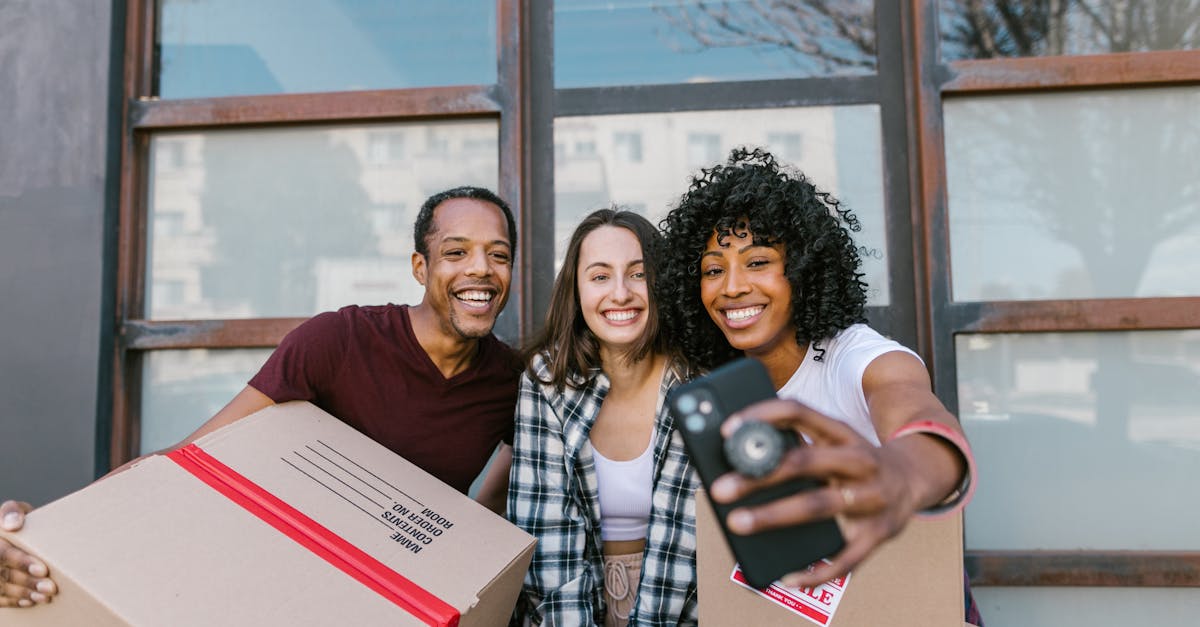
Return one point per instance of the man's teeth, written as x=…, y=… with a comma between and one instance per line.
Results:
x=475, y=296
x=742, y=314
x=620, y=316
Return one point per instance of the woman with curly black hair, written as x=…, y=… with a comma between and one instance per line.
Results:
x=758, y=262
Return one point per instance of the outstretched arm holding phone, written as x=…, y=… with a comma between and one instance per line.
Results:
x=762, y=264
x=872, y=490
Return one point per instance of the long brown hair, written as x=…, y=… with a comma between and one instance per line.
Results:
x=571, y=350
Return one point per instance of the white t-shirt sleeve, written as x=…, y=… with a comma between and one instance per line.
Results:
x=858, y=346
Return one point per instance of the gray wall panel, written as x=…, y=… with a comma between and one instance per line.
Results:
x=54, y=65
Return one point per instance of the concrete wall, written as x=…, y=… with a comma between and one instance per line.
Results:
x=54, y=147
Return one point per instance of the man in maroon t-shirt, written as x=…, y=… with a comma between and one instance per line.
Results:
x=428, y=381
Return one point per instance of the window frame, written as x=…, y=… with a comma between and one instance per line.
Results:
x=885, y=88
x=508, y=101
x=910, y=84
x=525, y=103
x=932, y=82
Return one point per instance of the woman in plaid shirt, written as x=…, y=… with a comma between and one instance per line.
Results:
x=598, y=475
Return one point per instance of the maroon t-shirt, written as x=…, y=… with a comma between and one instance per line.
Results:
x=365, y=366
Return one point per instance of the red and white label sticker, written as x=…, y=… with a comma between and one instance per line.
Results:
x=818, y=604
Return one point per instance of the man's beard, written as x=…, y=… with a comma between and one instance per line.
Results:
x=468, y=333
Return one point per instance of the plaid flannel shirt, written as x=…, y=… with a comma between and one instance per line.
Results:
x=553, y=495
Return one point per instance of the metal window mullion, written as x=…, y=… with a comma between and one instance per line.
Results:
x=393, y=104
x=799, y=92
x=131, y=237
x=1073, y=72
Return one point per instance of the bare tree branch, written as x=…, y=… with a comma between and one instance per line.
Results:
x=1098, y=22
x=833, y=35
x=840, y=34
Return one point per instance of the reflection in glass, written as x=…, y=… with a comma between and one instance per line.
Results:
x=974, y=29
x=1085, y=441
x=1074, y=195
x=837, y=147
x=231, y=47
x=1087, y=607
x=295, y=221
x=684, y=41
x=181, y=389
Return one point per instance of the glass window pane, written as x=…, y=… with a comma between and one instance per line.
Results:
x=295, y=221
x=181, y=389
x=975, y=29
x=1087, y=607
x=837, y=147
x=632, y=43
x=1085, y=441
x=1074, y=195
x=232, y=47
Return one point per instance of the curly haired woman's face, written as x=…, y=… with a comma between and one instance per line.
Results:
x=747, y=295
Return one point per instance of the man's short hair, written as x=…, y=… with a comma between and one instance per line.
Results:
x=421, y=230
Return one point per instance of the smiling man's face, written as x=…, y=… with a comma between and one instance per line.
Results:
x=467, y=272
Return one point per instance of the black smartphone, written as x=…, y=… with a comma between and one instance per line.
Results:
x=698, y=409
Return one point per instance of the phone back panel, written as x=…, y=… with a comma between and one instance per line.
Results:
x=767, y=556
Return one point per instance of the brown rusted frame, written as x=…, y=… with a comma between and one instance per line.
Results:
x=513, y=91
x=178, y=334
x=525, y=93
x=537, y=208
x=1115, y=314
x=1075, y=72
x=143, y=114
x=926, y=167
x=929, y=81
x=1127, y=569
x=131, y=257
x=442, y=102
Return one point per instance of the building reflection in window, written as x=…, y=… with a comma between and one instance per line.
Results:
x=1095, y=432
x=838, y=147
x=291, y=222
x=1074, y=194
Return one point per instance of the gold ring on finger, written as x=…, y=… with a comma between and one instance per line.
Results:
x=847, y=496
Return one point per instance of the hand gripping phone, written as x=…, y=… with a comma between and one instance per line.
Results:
x=698, y=409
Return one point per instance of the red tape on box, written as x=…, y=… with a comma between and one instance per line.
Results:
x=316, y=538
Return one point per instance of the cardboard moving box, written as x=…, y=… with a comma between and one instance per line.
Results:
x=286, y=517
x=914, y=580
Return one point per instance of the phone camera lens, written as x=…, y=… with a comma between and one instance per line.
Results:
x=686, y=404
x=694, y=423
